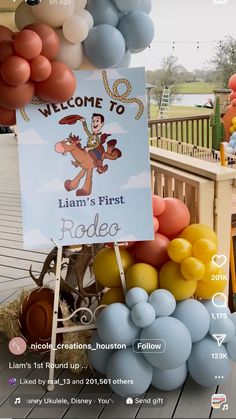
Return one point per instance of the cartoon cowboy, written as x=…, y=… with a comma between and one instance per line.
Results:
x=95, y=140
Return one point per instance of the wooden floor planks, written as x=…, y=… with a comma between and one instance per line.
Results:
x=190, y=401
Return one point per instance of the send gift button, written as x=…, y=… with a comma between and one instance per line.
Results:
x=149, y=345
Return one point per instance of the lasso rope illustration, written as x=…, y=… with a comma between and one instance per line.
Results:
x=123, y=98
x=35, y=101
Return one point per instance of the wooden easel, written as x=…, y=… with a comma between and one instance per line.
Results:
x=91, y=324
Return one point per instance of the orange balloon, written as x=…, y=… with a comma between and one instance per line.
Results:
x=232, y=82
x=153, y=252
x=233, y=103
x=17, y=96
x=60, y=86
x=40, y=68
x=50, y=40
x=7, y=117
x=158, y=205
x=5, y=33
x=155, y=224
x=227, y=120
x=232, y=95
x=6, y=49
x=15, y=70
x=175, y=217
x=28, y=44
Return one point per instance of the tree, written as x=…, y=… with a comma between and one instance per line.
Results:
x=167, y=75
x=224, y=60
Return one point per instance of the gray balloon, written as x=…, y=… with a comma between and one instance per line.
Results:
x=168, y=380
x=195, y=317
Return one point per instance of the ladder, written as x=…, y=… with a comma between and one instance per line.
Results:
x=165, y=103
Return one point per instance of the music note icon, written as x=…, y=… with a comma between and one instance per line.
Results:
x=225, y=407
x=17, y=400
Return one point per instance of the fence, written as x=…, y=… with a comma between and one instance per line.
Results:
x=195, y=130
x=199, y=152
x=206, y=188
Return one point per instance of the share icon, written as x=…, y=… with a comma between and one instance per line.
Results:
x=220, y=338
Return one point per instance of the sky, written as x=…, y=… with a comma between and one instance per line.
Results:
x=187, y=22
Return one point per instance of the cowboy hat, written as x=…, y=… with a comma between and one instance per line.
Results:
x=36, y=316
x=70, y=119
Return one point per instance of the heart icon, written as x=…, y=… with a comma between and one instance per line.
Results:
x=219, y=260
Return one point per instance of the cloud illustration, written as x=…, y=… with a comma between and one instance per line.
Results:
x=34, y=237
x=54, y=185
x=114, y=128
x=141, y=180
x=30, y=136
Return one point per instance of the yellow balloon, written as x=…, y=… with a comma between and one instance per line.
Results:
x=192, y=269
x=206, y=289
x=234, y=125
x=106, y=269
x=231, y=130
x=210, y=271
x=142, y=275
x=195, y=232
x=234, y=120
x=179, y=249
x=204, y=249
x=171, y=279
x=114, y=295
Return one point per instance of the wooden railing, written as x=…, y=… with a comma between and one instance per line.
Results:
x=205, y=187
x=194, y=130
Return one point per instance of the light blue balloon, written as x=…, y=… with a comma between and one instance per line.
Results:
x=178, y=343
x=231, y=348
x=135, y=295
x=195, y=317
x=105, y=46
x=114, y=325
x=103, y=11
x=168, y=380
x=145, y=6
x=233, y=136
x=213, y=309
x=99, y=358
x=127, y=5
x=206, y=369
x=163, y=302
x=232, y=317
x=224, y=326
x=132, y=367
x=125, y=62
x=138, y=30
x=143, y=314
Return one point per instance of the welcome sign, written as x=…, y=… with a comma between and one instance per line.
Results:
x=84, y=164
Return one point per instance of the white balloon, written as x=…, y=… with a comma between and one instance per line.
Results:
x=79, y=5
x=86, y=65
x=75, y=29
x=24, y=16
x=88, y=17
x=70, y=54
x=53, y=13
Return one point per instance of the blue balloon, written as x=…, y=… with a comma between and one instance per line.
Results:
x=163, y=302
x=105, y=46
x=135, y=295
x=99, y=357
x=145, y=6
x=168, y=380
x=231, y=348
x=132, y=367
x=232, y=317
x=214, y=310
x=224, y=326
x=125, y=62
x=176, y=347
x=114, y=324
x=195, y=317
x=127, y=5
x=138, y=30
x=233, y=136
x=205, y=365
x=103, y=11
x=143, y=314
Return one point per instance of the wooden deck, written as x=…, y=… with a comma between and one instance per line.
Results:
x=190, y=401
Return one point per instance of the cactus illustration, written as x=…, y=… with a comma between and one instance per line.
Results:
x=218, y=131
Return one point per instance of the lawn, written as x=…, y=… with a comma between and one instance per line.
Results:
x=196, y=87
x=176, y=111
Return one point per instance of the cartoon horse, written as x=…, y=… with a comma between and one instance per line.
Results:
x=83, y=159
